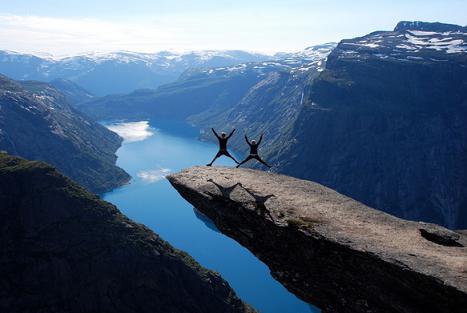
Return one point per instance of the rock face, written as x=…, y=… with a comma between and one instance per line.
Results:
x=64, y=250
x=386, y=123
x=331, y=250
x=73, y=93
x=37, y=123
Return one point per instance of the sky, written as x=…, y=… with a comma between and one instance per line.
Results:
x=68, y=27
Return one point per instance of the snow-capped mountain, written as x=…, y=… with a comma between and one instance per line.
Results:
x=410, y=41
x=118, y=72
x=217, y=88
x=311, y=58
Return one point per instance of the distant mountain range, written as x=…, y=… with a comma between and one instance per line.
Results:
x=214, y=90
x=118, y=72
x=36, y=122
x=381, y=119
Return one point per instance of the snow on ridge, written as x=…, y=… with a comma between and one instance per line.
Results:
x=404, y=43
x=302, y=61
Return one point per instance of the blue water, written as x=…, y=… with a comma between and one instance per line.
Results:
x=151, y=200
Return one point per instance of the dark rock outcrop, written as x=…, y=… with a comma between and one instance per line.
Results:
x=37, y=123
x=331, y=250
x=64, y=250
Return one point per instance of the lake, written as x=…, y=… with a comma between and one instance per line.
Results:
x=154, y=149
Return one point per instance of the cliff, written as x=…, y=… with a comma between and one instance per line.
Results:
x=331, y=250
x=37, y=123
x=385, y=123
x=64, y=250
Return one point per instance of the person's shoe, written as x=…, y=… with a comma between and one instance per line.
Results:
x=237, y=166
x=208, y=164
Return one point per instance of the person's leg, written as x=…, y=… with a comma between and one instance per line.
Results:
x=217, y=155
x=248, y=158
x=261, y=160
x=227, y=154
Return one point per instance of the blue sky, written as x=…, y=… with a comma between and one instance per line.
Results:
x=72, y=26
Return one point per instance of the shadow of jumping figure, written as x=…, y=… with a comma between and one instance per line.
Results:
x=260, y=203
x=226, y=191
x=259, y=200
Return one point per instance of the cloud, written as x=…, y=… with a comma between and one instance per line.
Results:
x=152, y=176
x=64, y=36
x=132, y=131
x=181, y=31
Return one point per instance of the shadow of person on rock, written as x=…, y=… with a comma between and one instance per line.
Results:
x=259, y=200
x=226, y=191
x=260, y=203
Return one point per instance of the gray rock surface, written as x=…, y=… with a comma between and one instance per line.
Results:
x=328, y=249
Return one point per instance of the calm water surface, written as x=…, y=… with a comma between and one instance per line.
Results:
x=150, y=152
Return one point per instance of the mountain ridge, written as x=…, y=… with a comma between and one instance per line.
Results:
x=118, y=72
x=37, y=122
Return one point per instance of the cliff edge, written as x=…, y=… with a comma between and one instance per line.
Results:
x=331, y=250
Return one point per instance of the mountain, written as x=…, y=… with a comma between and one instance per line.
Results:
x=386, y=123
x=382, y=120
x=273, y=103
x=203, y=93
x=73, y=93
x=65, y=250
x=36, y=122
x=118, y=72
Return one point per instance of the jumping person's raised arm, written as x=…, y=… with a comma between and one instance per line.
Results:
x=215, y=132
x=260, y=138
x=233, y=131
x=247, y=141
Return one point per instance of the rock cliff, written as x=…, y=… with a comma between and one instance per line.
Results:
x=37, y=123
x=64, y=250
x=385, y=123
x=331, y=250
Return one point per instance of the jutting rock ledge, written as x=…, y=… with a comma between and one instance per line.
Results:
x=331, y=250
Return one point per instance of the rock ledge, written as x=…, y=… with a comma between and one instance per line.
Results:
x=331, y=250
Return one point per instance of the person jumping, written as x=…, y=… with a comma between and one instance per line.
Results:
x=222, y=146
x=254, y=151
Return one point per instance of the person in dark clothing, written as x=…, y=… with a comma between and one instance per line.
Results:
x=222, y=146
x=254, y=151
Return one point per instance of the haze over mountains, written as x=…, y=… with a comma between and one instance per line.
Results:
x=118, y=72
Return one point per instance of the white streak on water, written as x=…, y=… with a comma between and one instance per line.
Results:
x=132, y=131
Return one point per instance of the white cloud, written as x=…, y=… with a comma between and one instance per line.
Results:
x=231, y=29
x=62, y=36
x=132, y=131
x=152, y=176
